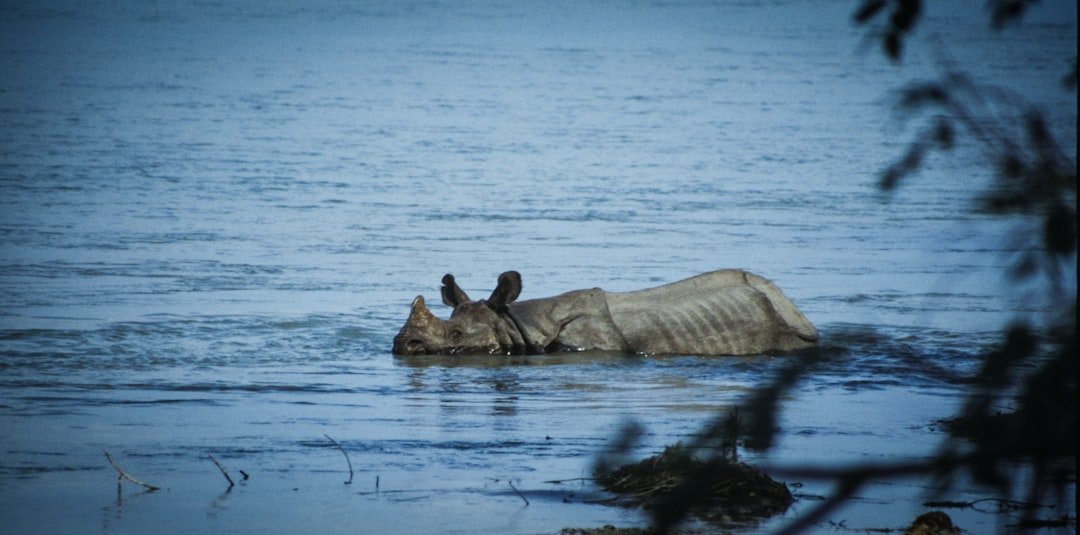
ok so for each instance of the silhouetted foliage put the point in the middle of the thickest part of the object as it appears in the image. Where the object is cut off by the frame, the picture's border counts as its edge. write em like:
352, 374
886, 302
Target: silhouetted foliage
1004, 12
1033, 175
1034, 373
763, 405
1031, 370
903, 14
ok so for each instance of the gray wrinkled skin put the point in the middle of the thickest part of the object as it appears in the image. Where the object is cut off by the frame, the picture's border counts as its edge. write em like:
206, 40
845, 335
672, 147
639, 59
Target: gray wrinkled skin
725, 312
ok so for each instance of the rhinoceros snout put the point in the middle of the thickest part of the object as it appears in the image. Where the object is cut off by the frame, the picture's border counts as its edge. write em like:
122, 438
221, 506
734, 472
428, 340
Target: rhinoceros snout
410, 346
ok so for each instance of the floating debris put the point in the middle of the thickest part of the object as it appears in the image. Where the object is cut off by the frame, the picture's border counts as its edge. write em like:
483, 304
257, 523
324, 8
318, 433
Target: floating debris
716, 489
932, 523
346, 454
121, 475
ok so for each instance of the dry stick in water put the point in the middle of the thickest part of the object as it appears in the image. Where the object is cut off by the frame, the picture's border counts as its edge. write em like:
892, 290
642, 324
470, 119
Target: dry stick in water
561, 481
520, 495
223, 472
122, 475
343, 452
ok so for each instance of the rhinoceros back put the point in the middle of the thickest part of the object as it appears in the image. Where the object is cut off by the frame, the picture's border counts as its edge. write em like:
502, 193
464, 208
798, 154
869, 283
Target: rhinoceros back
726, 312
577, 319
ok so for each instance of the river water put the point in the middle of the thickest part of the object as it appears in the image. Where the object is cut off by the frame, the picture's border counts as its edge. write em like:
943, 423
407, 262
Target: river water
214, 216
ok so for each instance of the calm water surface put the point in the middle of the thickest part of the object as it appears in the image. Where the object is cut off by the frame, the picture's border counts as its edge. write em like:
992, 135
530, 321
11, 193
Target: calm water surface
213, 217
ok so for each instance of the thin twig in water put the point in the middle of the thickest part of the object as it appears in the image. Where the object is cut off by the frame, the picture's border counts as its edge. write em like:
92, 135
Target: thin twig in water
122, 475
346, 454
223, 472
1003, 505
561, 481
520, 495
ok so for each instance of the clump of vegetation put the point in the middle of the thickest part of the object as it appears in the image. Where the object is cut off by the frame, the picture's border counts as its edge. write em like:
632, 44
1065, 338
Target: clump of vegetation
715, 489
932, 523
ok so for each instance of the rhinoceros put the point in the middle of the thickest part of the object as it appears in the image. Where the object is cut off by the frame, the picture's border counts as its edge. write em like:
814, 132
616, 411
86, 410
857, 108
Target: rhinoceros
724, 312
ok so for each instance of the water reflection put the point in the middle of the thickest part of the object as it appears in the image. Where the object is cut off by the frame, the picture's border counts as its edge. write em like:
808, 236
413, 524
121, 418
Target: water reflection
488, 361
113, 514
217, 505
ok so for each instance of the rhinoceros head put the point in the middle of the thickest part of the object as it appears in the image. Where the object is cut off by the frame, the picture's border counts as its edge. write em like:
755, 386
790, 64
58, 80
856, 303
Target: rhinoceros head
474, 326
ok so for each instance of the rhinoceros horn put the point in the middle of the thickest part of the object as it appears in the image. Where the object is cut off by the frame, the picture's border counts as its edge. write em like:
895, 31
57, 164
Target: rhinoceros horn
420, 313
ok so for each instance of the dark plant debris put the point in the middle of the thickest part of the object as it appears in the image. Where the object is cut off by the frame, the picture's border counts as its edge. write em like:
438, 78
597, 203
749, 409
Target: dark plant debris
717, 489
932, 523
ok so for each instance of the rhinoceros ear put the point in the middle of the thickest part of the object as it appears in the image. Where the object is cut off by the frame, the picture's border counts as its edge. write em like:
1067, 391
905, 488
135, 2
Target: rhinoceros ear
452, 294
507, 291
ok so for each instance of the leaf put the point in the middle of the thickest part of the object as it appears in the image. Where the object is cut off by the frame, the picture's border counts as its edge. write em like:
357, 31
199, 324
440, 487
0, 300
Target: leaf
1006, 11
1037, 131
943, 134
913, 159
618, 454
1059, 230
924, 94
868, 10
1010, 165
904, 16
893, 46
890, 177
1024, 268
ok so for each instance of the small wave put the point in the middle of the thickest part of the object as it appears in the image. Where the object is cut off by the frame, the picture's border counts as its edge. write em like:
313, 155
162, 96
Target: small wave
201, 341
33, 471
878, 358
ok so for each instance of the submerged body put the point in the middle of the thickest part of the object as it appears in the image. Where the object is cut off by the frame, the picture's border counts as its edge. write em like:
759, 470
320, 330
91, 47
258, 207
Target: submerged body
725, 312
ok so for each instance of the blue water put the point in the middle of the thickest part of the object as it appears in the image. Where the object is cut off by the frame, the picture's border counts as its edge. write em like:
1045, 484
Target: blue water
213, 218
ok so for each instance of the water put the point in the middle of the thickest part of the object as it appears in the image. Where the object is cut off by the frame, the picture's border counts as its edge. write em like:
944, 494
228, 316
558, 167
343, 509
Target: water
213, 217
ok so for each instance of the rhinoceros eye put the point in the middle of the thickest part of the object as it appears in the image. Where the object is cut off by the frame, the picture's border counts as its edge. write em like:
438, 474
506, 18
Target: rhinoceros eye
455, 334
